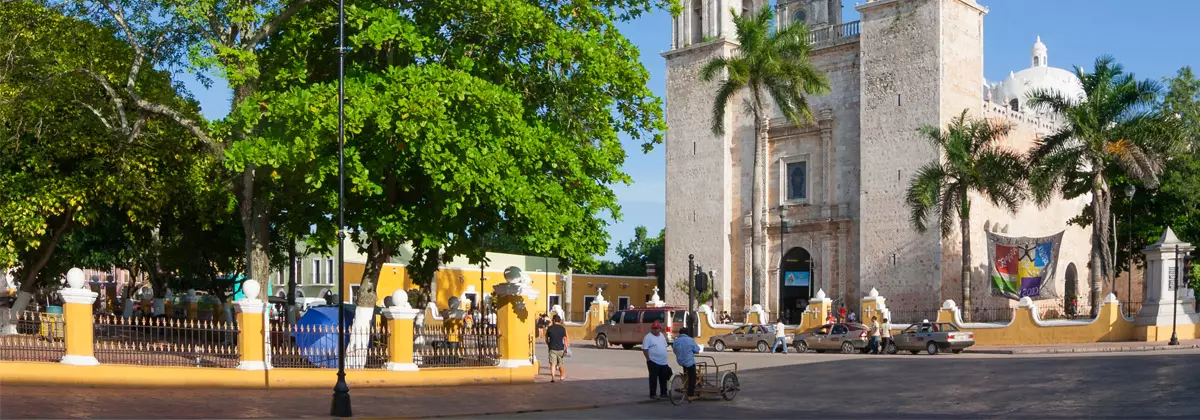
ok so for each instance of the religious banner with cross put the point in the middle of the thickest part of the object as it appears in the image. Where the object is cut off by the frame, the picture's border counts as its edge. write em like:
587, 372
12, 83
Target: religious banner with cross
1021, 267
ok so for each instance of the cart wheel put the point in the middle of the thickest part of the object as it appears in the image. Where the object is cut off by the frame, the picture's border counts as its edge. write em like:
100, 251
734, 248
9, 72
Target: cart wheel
847, 348
762, 347
719, 346
931, 348
678, 391
729, 386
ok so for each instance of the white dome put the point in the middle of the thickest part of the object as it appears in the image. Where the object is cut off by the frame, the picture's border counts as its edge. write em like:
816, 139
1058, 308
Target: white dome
1037, 77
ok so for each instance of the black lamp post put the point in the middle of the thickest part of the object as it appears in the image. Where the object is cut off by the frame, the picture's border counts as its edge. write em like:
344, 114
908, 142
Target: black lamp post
341, 391
1130, 190
1175, 300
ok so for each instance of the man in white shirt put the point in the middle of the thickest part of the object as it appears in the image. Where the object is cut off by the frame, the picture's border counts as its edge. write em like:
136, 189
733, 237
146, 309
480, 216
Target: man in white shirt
886, 329
780, 337
654, 348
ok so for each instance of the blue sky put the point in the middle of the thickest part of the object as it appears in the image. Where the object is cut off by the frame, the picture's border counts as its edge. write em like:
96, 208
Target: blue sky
1152, 38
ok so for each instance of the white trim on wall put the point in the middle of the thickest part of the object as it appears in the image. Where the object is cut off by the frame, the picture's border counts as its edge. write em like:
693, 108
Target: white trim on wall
783, 163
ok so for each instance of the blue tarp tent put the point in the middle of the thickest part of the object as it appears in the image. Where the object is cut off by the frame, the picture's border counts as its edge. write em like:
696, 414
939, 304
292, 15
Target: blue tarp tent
316, 335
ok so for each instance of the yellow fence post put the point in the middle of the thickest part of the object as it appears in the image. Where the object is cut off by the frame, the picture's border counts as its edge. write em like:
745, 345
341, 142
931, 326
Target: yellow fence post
514, 300
77, 320
949, 313
251, 335
818, 311
597, 316
400, 317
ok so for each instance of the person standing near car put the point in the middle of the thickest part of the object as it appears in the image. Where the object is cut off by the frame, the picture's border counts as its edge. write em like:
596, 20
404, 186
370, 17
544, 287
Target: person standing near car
654, 348
842, 313
558, 343
873, 342
886, 329
780, 337
685, 354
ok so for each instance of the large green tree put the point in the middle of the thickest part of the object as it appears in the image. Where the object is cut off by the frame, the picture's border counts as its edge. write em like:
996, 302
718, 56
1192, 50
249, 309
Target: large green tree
633, 256
769, 66
973, 161
1113, 130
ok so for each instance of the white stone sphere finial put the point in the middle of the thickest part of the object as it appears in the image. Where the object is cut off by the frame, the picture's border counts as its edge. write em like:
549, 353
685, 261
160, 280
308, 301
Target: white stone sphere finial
250, 289
75, 278
874, 293
820, 294
400, 299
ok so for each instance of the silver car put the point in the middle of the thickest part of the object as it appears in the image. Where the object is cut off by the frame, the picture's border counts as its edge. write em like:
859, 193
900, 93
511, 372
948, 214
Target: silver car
760, 337
932, 337
844, 337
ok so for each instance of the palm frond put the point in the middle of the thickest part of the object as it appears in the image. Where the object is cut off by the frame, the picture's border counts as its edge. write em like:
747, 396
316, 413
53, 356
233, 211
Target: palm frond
726, 92
925, 194
952, 198
713, 68
1001, 178
1136, 163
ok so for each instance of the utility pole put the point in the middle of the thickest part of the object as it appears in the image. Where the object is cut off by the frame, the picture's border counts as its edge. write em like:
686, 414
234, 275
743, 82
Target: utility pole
691, 282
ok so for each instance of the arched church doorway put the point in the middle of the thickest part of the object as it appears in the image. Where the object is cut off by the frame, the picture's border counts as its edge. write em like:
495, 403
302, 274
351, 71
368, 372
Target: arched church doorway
1071, 291
795, 280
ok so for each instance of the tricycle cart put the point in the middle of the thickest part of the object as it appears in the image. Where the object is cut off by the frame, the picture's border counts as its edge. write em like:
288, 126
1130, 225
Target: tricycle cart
713, 379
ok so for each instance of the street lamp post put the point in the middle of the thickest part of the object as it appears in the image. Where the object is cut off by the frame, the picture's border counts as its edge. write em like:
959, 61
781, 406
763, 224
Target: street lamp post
1175, 300
1130, 190
691, 288
341, 391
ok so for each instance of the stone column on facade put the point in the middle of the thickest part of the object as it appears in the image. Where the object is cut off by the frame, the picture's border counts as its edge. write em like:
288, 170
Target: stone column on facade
400, 319
514, 300
78, 321
1162, 299
251, 332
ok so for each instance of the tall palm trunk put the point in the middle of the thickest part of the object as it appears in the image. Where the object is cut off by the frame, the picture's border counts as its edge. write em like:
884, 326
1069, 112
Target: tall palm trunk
964, 225
1098, 243
758, 244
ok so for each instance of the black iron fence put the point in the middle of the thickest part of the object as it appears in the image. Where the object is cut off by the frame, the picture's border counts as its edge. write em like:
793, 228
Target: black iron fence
453, 343
165, 342
39, 338
316, 346
902, 319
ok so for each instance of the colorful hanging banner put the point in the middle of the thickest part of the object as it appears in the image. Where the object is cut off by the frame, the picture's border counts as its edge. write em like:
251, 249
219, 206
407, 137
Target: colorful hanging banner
1021, 267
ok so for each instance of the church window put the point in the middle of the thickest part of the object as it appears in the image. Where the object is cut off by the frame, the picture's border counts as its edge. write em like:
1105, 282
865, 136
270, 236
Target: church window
697, 21
1035, 61
797, 180
799, 16
1016, 106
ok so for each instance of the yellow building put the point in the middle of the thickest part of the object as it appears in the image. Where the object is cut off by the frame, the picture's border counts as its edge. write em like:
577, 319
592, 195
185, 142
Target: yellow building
471, 282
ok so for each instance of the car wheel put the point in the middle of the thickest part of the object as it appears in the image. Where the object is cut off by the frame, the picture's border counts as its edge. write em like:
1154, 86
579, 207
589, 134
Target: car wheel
627, 346
891, 348
802, 347
719, 346
847, 348
763, 347
931, 348
601, 341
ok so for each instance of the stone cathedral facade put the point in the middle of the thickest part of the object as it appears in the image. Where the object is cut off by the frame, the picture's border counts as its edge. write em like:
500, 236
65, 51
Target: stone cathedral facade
836, 186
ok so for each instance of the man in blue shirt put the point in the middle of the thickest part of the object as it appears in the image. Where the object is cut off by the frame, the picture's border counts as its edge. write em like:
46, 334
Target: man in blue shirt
685, 352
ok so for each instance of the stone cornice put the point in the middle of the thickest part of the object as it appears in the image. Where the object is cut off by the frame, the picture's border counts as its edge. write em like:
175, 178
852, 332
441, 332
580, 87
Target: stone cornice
83, 296
697, 46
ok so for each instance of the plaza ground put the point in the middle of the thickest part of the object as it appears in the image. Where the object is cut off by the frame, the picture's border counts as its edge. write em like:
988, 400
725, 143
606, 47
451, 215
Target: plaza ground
611, 384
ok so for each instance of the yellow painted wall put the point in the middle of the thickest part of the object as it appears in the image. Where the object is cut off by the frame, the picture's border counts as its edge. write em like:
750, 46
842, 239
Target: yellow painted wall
1109, 326
636, 288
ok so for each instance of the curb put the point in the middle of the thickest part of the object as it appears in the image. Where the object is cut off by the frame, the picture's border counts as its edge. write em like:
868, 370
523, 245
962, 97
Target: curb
511, 412
1086, 350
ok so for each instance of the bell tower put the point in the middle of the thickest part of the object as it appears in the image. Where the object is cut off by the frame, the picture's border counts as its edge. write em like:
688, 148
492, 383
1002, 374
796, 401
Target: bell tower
816, 14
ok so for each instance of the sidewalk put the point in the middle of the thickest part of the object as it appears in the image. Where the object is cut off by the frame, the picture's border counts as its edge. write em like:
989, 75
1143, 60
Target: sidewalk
1113, 347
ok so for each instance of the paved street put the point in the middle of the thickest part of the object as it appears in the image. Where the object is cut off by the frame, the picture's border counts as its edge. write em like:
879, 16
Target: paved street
1105, 385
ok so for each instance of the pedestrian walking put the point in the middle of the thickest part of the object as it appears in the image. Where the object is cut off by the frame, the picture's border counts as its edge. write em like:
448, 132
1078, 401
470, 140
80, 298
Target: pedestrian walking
541, 326
873, 342
887, 335
842, 312
685, 354
852, 318
780, 338
559, 345
654, 348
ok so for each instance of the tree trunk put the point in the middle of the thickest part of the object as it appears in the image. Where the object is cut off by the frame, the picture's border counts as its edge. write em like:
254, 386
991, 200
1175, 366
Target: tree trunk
61, 225
253, 209
758, 245
364, 309
291, 289
1098, 244
964, 221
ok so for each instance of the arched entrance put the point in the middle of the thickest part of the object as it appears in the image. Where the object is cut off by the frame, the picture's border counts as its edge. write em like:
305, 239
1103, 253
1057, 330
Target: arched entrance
795, 280
1071, 291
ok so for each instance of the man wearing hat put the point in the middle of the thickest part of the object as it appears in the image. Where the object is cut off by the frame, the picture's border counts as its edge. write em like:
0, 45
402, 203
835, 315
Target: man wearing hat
654, 347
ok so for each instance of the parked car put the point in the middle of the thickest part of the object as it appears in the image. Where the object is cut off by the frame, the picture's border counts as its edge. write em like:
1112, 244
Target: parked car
933, 337
760, 337
843, 336
627, 328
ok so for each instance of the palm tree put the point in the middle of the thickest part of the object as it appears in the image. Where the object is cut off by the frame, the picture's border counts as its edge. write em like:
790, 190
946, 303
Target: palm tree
767, 62
1112, 129
972, 161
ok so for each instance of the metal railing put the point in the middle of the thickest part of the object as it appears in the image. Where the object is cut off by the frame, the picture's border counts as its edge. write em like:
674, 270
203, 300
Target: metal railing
450, 343
833, 35
901, 319
39, 338
165, 342
316, 346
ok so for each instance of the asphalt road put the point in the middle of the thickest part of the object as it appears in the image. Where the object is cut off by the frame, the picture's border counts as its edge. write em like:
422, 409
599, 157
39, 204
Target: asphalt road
1126, 386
